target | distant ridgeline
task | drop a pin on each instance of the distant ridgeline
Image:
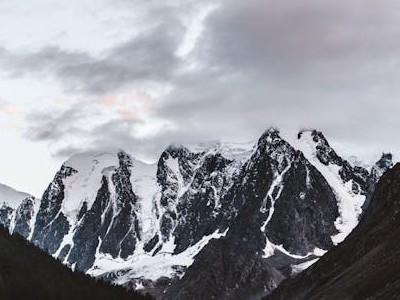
(220, 220)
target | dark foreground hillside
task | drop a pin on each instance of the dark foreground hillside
(28, 273)
(367, 264)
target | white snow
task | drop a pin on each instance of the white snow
(67, 240)
(349, 203)
(173, 164)
(270, 249)
(276, 184)
(235, 151)
(139, 286)
(357, 162)
(36, 206)
(301, 267)
(144, 266)
(144, 185)
(83, 186)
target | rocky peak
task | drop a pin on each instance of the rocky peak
(319, 147)
(382, 165)
(270, 137)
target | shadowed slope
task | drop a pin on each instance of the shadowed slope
(28, 273)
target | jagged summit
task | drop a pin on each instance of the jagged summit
(313, 143)
(270, 134)
(317, 135)
(230, 150)
(348, 183)
(272, 144)
(382, 165)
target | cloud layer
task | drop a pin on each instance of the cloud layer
(200, 70)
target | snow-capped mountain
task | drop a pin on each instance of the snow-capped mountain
(267, 209)
(17, 210)
(295, 203)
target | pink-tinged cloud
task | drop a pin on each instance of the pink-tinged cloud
(108, 100)
(128, 114)
(11, 109)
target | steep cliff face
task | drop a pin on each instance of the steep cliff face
(366, 264)
(188, 210)
(89, 207)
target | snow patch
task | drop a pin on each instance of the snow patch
(36, 207)
(271, 248)
(277, 184)
(349, 203)
(235, 151)
(145, 266)
(83, 186)
(301, 267)
(145, 186)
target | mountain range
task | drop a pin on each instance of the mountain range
(215, 221)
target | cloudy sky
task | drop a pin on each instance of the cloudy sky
(138, 75)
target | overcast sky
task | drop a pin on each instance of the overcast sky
(139, 75)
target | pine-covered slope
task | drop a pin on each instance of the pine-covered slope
(29, 273)
(366, 265)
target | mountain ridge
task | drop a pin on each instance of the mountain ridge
(148, 225)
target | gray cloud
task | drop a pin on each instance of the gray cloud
(308, 63)
(148, 56)
(54, 126)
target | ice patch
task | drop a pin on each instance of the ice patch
(145, 266)
(145, 186)
(276, 184)
(270, 249)
(349, 203)
(301, 267)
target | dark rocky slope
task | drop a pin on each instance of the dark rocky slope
(367, 264)
(28, 273)
(282, 199)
